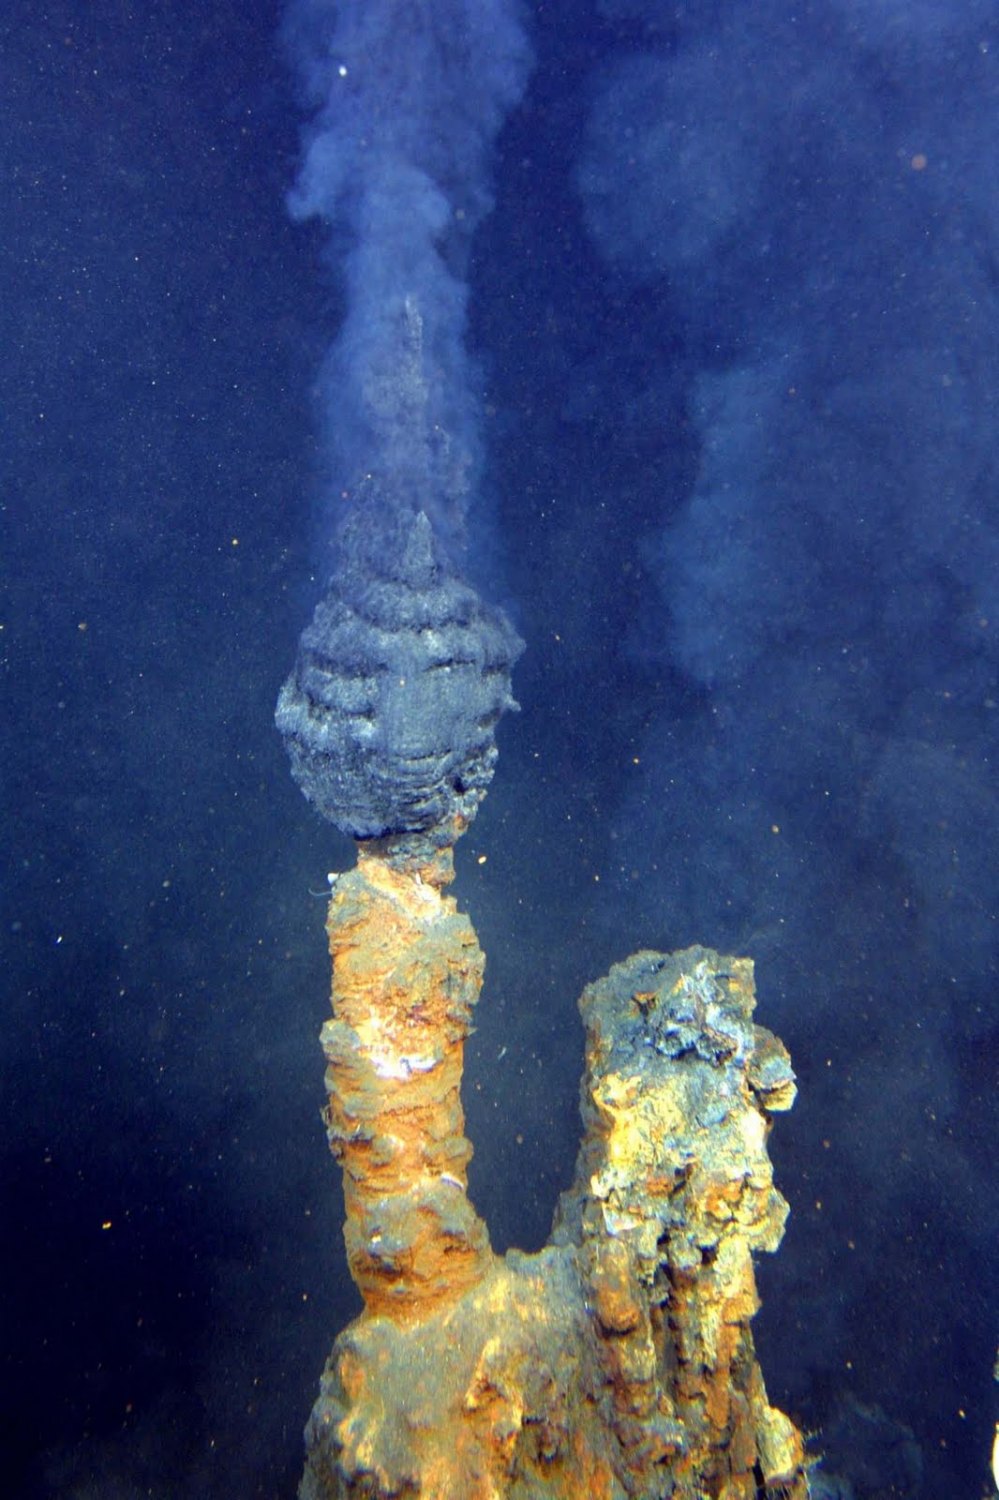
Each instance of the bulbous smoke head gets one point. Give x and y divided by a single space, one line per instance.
389 716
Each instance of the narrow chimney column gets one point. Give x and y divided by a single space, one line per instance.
407 970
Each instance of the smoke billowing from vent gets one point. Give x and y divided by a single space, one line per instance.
388 729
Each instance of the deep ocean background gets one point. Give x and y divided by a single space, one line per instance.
738 312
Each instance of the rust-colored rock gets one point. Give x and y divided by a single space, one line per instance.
407 969
618 1361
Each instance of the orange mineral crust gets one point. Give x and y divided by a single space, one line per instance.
618 1361
407 970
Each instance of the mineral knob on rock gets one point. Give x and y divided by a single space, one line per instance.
390 714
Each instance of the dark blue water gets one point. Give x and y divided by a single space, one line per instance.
738 315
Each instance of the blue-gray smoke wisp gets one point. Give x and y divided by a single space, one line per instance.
403 673
835 564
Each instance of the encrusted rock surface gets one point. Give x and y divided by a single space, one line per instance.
618 1361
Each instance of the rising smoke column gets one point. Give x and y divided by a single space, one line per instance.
403 672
